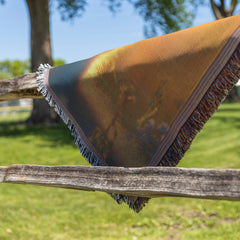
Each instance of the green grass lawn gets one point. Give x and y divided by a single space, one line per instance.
34 212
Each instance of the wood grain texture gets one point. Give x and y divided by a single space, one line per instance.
146 182
3 171
24 86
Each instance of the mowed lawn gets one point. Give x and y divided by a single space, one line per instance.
34 212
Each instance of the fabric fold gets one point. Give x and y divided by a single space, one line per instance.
143 104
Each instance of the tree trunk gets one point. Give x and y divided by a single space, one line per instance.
40 53
220 11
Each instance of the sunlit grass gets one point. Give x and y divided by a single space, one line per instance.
32 212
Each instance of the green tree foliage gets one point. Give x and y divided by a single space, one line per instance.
71 8
164 15
9 69
58 62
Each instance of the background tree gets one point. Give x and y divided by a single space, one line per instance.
221 10
40 53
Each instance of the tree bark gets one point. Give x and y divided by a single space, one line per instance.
24 86
40 53
220 11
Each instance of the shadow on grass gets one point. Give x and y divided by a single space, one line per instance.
57 135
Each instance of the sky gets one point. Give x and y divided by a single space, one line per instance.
96 31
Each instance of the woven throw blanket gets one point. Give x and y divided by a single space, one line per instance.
142 104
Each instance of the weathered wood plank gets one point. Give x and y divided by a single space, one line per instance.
3 171
147 182
24 86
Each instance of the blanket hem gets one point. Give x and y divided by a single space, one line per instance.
42 75
210 102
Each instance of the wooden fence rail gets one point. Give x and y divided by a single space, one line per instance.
24 86
146 181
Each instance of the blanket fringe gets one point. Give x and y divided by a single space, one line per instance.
89 155
41 87
217 92
210 102
137 205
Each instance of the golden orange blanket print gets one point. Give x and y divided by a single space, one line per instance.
142 104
